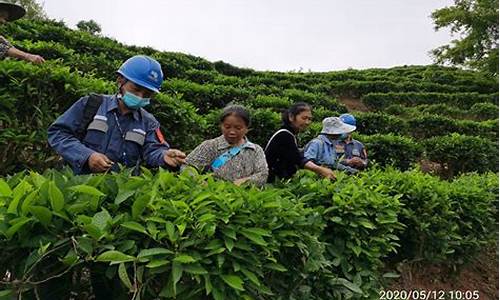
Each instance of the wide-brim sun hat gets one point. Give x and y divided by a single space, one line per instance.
15 11
334 125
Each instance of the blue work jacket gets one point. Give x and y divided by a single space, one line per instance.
125 139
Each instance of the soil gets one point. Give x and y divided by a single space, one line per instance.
479 275
353 104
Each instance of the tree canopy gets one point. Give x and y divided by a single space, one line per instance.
89 26
476 22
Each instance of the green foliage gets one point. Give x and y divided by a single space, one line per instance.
89 26
439 214
388 149
462 100
186 236
427 126
32 97
476 22
371 123
362 228
460 153
480 111
484 111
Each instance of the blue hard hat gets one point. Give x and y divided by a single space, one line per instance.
348 119
144 71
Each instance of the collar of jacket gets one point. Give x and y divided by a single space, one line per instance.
325 139
222 144
289 128
113 104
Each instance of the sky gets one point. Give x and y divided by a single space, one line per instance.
271 35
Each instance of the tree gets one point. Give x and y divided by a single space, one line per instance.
34 10
90 26
476 21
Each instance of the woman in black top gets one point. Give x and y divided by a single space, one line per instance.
282 152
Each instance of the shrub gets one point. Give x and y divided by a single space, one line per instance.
372 123
156 236
462 100
388 149
460 153
484 111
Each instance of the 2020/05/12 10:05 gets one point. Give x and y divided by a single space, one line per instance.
428 295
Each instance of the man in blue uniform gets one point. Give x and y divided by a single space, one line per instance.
119 129
351 152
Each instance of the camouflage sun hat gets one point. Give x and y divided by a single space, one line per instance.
15 11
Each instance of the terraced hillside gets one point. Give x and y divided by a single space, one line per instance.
184 236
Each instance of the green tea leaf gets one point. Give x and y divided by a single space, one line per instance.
153 252
184 259
122 196
256 238
276 266
169 227
229 244
134 226
87 189
139 206
253 278
27 202
257 231
102 219
233 281
122 273
155 263
353 287
20 222
5 190
85 244
114 257
43 214
176 275
93 230
196 269
56 197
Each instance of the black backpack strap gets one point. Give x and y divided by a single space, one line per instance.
93 104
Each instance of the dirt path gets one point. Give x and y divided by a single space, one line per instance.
353 104
480 275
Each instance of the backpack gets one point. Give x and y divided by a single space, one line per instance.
89 111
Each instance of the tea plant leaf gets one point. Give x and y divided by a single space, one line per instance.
153 252
43 214
122 196
155 263
20 222
256 238
233 281
56 197
184 259
86 189
122 273
134 226
196 269
5 190
114 257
